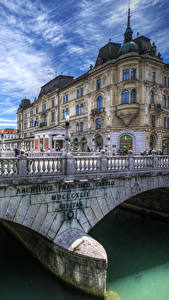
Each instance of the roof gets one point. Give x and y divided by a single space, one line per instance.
56 83
9 130
108 52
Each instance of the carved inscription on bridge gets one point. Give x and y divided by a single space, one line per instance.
66 198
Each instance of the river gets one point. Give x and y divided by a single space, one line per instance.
138 252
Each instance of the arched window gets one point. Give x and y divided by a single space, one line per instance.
125 97
99 103
152 98
98 123
77 127
133 96
77 109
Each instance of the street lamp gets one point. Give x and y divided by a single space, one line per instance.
67 135
108 138
93 143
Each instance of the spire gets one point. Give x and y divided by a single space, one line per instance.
128 33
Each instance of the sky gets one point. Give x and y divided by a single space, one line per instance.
40 39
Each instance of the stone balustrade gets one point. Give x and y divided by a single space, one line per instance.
77 164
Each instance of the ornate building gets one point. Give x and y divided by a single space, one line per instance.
123 101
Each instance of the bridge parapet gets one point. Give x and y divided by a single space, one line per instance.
74 165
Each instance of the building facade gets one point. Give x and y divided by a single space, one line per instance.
122 102
9 139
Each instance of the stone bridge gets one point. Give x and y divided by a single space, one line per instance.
52 202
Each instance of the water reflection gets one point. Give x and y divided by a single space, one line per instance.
138 252
23 278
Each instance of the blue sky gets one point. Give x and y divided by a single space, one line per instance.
40 39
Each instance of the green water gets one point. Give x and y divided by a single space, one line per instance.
138 252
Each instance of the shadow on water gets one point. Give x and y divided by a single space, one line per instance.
133 243
23 278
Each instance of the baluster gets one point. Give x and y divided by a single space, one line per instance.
43 166
85 164
53 165
93 163
29 166
112 163
2 167
76 164
90 164
97 163
8 167
48 165
38 166
15 165
80 164
33 166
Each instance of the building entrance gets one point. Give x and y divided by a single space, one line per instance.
126 143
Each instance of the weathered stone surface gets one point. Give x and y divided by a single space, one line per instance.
53 206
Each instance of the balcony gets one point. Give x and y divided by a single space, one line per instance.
156 107
97 111
127 112
43 124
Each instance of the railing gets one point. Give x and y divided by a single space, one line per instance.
64 164
9 167
37 166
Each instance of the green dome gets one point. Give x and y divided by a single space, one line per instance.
128 47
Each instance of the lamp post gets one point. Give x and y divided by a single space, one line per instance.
67 135
108 139
93 143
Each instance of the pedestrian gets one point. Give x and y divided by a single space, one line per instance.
16 152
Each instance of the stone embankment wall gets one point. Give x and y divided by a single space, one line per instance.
77 258
154 203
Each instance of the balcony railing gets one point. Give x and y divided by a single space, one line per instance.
43 124
97 111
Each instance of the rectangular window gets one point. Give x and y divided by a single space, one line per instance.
25 135
81 91
98 84
154 77
165 122
25 116
168 123
25 125
133 73
67 111
31 123
78 93
45 119
165 81
168 81
165 101
81 126
65 99
37 109
31 113
153 120
53 116
81 108
126 74
168 102
43 106
64 114
53 103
